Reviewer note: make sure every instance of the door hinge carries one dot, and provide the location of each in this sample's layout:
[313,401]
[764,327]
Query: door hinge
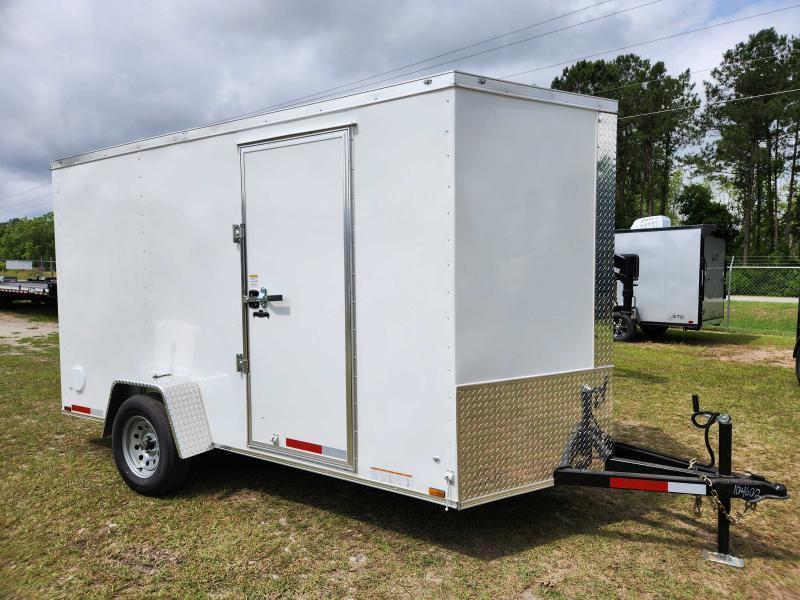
[238,233]
[242,365]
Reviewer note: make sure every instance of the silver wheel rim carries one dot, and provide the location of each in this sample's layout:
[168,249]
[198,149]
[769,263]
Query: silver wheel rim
[619,327]
[140,446]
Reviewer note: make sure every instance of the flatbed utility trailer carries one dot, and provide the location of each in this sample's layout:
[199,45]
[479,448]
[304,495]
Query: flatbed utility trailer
[377,314]
[37,291]
[680,280]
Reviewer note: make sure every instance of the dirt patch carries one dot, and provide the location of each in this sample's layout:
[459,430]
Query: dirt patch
[13,328]
[765,355]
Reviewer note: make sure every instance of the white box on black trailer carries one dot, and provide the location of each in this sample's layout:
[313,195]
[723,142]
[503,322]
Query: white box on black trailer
[383,312]
[681,275]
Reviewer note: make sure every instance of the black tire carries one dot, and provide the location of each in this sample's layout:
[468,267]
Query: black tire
[170,470]
[624,327]
[653,330]
[797,366]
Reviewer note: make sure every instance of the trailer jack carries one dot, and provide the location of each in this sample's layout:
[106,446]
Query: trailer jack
[629,467]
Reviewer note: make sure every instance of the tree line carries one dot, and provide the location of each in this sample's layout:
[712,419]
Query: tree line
[732,162]
[28,238]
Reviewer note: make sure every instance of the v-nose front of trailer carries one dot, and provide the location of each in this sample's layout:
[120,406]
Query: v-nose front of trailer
[534,294]
[534,285]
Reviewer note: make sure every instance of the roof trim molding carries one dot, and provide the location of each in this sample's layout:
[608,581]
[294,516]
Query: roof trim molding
[413,87]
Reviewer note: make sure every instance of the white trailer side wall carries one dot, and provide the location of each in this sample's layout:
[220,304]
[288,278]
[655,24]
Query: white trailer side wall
[525,237]
[149,278]
[100,277]
[403,203]
[668,289]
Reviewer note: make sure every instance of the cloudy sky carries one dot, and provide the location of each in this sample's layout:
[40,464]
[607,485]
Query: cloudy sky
[84,74]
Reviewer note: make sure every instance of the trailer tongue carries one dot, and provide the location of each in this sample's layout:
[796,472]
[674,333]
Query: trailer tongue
[629,467]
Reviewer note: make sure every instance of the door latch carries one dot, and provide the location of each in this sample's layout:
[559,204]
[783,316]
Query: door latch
[242,364]
[238,233]
[259,298]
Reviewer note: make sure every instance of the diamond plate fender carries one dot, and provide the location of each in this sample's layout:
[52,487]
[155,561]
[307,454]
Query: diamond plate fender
[184,404]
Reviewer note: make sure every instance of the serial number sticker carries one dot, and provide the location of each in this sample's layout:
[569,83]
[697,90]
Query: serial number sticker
[391,477]
[253,285]
[746,491]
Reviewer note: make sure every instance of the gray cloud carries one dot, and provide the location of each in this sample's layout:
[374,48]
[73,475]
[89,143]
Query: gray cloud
[85,74]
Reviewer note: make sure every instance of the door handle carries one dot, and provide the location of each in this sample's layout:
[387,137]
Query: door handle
[256,298]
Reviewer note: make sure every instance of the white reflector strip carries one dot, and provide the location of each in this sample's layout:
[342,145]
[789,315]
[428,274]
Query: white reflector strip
[695,489]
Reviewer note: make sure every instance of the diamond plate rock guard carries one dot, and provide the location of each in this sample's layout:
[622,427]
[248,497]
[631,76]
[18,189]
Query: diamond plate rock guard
[512,434]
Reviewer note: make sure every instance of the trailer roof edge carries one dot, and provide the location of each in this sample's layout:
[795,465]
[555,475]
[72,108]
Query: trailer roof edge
[411,87]
[706,227]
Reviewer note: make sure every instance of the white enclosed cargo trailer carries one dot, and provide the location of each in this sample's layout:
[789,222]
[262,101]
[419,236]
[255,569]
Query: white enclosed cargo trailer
[382,311]
[681,276]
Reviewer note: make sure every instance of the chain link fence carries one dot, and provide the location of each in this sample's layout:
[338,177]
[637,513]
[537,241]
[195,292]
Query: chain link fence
[762,295]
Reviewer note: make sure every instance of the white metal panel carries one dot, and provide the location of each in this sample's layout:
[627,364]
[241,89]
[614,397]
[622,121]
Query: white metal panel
[681,263]
[403,225]
[190,290]
[650,247]
[525,237]
[296,192]
[99,250]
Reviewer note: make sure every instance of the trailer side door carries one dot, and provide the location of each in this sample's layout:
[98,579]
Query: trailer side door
[713,298]
[296,196]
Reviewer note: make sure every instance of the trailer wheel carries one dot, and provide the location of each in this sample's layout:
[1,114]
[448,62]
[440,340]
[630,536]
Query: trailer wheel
[653,330]
[797,366]
[624,327]
[144,449]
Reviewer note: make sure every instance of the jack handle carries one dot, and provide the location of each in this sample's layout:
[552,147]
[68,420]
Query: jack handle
[710,419]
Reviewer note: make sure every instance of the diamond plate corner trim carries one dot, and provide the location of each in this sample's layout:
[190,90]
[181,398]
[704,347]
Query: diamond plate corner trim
[185,410]
[512,434]
[605,200]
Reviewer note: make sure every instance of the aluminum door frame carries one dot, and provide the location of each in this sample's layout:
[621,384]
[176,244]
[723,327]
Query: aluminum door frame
[349,287]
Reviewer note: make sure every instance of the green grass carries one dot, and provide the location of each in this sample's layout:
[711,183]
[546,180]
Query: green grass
[242,528]
[773,318]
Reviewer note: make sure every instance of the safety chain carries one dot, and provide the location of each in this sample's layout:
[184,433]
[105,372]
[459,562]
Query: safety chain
[749,507]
